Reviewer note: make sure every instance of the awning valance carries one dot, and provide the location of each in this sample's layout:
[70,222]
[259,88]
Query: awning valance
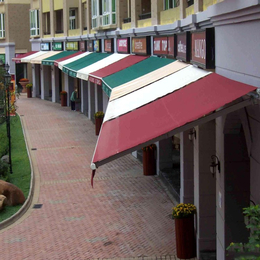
[164,108]
[73,55]
[39,59]
[50,60]
[28,58]
[63,63]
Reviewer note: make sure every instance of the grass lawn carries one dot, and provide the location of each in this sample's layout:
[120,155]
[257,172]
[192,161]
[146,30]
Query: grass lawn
[21,176]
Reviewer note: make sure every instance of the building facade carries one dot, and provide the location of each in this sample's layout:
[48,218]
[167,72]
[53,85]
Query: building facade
[59,26]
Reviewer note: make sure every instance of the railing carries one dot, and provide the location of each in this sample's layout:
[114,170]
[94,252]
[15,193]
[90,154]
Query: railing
[145,16]
[127,20]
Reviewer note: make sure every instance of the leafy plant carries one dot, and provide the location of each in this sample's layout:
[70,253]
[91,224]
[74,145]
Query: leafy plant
[251,250]
[149,147]
[4,171]
[183,210]
[99,114]
[29,85]
[63,92]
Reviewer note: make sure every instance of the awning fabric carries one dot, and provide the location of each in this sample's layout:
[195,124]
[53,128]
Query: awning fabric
[50,60]
[137,70]
[39,59]
[84,72]
[115,67]
[56,62]
[155,111]
[72,68]
[18,59]
[63,63]
[27,59]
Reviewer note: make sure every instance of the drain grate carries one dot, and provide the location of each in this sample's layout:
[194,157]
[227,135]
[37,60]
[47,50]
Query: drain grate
[37,206]
[34,149]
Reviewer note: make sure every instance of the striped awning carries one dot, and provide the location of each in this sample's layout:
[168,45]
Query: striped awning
[19,57]
[39,59]
[50,60]
[27,59]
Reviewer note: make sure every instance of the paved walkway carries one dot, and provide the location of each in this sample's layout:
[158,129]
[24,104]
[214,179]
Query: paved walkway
[125,216]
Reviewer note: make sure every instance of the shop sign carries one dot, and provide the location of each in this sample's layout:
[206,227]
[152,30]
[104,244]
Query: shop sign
[141,45]
[57,46]
[95,80]
[45,46]
[123,45]
[172,45]
[72,46]
[82,45]
[2,57]
[183,46]
[160,45]
[203,48]
[96,45]
[90,46]
[109,45]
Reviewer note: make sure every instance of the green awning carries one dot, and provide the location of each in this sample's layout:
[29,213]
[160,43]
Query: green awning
[72,68]
[52,59]
[135,71]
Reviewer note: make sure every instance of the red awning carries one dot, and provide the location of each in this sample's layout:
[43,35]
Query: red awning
[167,115]
[56,62]
[116,66]
[18,58]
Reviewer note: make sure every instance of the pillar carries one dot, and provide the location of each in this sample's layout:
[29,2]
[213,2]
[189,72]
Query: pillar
[135,11]
[205,187]
[198,6]
[156,8]
[187,168]
[183,6]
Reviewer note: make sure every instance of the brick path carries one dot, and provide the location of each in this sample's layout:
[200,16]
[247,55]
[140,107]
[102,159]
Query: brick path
[125,216]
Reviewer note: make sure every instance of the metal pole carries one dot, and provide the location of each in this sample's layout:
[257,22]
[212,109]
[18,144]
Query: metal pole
[9,129]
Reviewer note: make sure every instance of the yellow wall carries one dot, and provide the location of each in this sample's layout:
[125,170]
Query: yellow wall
[190,10]
[35,5]
[58,4]
[17,2]
[46,6]
[75,32]
[207,3]
[170,15]
[126,26]
[72,3]
[144,23]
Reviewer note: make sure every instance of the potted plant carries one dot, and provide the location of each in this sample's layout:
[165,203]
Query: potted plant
[149,159]
[98,121]
[63,98]
[29,90]
[183,215]
[23,83]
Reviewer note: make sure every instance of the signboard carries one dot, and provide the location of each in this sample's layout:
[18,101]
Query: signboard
[57,46]
[203,48]
[95,80]
[96,45]
[2,57]
[183,46]
[82,46]
[90,45]
[160,45]
[72,46]
[123,45]
[45,46]
[141,45]
[172,46]
[109,45]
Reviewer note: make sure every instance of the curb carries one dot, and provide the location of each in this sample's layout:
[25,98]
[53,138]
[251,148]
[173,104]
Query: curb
[4,224]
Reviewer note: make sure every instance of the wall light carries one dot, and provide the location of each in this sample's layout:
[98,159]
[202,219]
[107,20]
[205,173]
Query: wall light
[192,134]
[214,164]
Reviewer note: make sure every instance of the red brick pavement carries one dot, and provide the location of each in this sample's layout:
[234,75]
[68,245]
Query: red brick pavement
[125,216]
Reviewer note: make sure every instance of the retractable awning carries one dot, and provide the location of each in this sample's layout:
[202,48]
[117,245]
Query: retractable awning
[27,59]
[39,59]
[18,58]
[50,60]
[72,68]
[105,62]
[135,71]
[56,62]
[115,67]
[63,63]
[168,106]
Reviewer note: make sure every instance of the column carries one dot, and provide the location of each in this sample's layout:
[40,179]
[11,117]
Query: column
[205,187]
[135,11]
[198,6]
[156,8]
[183,6]
[187,168]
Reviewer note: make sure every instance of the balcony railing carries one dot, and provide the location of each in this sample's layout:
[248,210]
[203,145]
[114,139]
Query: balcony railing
[144,16]
[59,31]
[127,20]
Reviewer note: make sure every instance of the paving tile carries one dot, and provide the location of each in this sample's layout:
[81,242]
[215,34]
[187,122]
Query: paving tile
[125,216]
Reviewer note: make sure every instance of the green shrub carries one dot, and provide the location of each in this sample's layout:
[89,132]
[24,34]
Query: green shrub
[4,171]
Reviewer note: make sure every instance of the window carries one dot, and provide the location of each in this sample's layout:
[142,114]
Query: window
[72,23]
[190,2]
[59,21]
[46,23]
[2,25]
[171,4]
[103,12]
[34,22]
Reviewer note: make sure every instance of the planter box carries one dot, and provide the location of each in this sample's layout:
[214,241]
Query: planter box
[185,237]
[63,100]
[98,123]
[29,92]
[149,162]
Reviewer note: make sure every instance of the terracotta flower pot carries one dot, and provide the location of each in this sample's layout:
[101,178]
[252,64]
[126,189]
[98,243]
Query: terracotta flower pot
[185,237]
[149,162]
[63,100]
[29,92]
[23,84]
[98,123]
